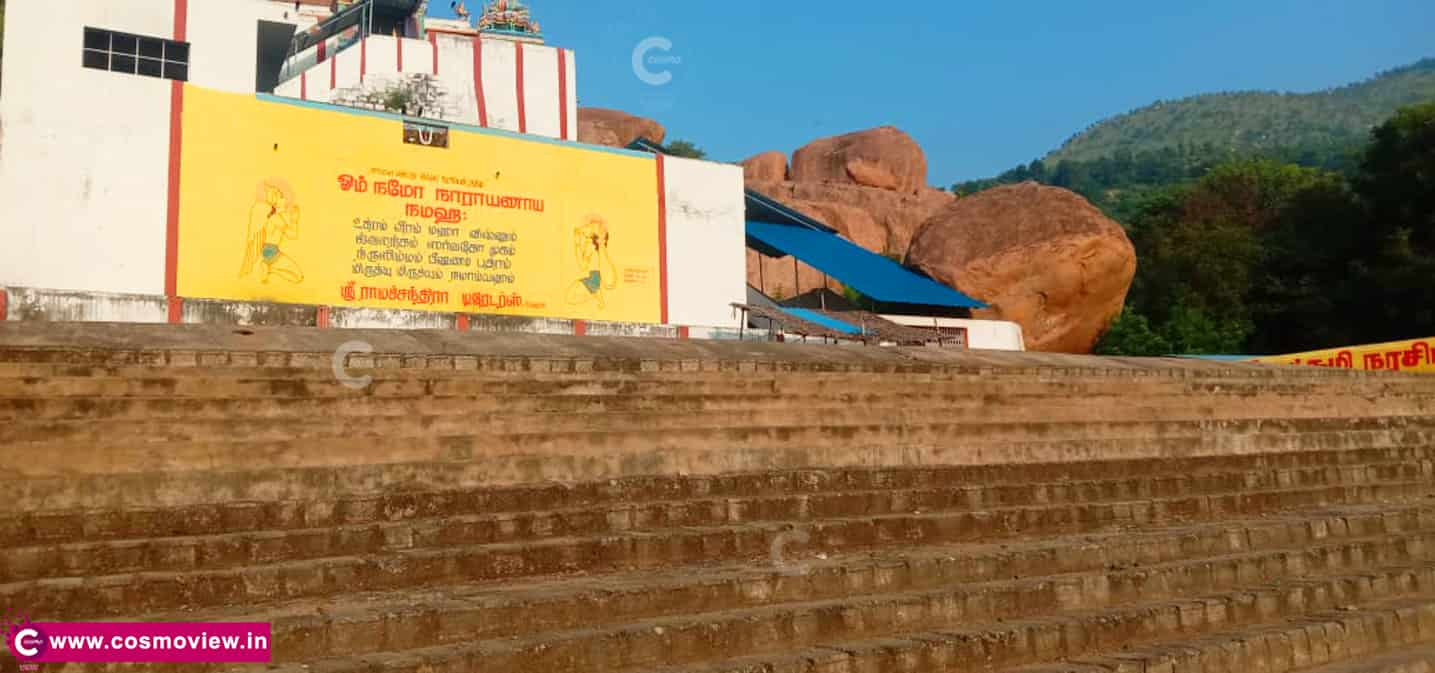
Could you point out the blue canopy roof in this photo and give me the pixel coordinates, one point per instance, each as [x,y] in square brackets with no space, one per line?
[871,274]
[818,318]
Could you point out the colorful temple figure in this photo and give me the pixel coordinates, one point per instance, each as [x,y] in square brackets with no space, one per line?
[508,15]
[590,247]
[273,219]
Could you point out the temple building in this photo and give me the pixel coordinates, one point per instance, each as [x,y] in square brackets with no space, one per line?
[339,163]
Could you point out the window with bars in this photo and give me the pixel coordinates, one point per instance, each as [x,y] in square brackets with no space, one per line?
[136,54]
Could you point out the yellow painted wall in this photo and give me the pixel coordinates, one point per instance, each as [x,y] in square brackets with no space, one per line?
[1417,355]
[292,203]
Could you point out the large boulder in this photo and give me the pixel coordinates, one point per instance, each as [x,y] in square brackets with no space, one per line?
[895,216]
[765,167]
[876,219]
[884,158]
[614,128]
[1041,256]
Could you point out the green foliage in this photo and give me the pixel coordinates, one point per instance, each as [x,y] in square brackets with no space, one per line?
[1258,256]
[684,148]
[1131,335]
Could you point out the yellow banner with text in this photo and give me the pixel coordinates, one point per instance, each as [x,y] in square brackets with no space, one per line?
[1416,355]
[291,203]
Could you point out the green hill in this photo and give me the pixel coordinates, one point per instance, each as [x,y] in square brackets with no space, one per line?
[1257,121]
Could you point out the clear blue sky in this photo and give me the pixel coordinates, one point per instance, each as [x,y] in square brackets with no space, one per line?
[981,85]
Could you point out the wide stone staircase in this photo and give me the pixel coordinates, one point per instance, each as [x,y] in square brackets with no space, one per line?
[553,504]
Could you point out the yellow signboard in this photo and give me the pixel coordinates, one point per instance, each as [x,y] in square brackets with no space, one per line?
[287,202]
[1417,355]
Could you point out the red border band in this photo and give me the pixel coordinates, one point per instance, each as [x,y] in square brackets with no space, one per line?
[176,146]
[563,94]
[662,241]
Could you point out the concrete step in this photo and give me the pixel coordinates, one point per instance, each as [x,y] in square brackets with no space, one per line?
[325,469]
[464,525]
[982,423]
[981,484]
[451,614]
[878,629]
[284,386]
[156,591]
[1259,629]
[1380,636]
[625,442]
[27,411]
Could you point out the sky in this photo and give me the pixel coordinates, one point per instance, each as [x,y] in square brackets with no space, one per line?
[982,85]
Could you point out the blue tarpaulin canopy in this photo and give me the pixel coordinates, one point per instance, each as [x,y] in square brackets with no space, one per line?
[869,273]
[818,318]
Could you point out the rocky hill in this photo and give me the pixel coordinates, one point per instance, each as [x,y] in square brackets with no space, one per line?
[1256,121]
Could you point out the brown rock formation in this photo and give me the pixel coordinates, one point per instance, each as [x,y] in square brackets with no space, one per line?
[885,158]
[601,126]
[1041,256]
[765,167]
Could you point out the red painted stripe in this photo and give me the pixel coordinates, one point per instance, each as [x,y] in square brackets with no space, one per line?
[323,50]
[176,142]
[322,317]
[462,322]
[334,72]
[4,302]
[683,332]
[522,112]
[363,58]
[400,42]
[563,94]
[478,81]
[176,310]
[433,40]
[580,327]
[181,20]
[662,241]
[304,86]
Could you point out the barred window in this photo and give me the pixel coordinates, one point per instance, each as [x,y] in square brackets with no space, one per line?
[136,54]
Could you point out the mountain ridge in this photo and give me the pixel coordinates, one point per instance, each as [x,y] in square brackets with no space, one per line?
[1255,121]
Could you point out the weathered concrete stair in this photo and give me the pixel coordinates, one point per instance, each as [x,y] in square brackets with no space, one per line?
[501,504]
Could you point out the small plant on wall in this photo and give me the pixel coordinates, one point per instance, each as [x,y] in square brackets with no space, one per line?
[417,95]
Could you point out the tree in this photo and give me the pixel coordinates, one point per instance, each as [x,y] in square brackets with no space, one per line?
[684,148]
[1396,186]
[1131,335]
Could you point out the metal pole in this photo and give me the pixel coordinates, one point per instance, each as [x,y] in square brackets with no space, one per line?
[796,282]
[823,293]
[761,282]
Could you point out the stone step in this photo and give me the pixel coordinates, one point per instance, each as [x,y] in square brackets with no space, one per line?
[945,443]
[990,484]
[881,626]
[940,581]
[110,595]
[1382,636]
[27,411]
[300,471]
[982,422]
[460,526]
[161,385]
[1267,629]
